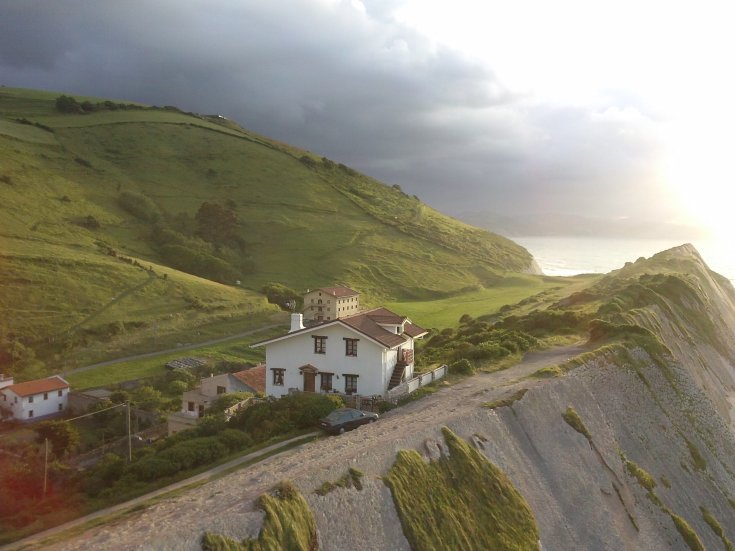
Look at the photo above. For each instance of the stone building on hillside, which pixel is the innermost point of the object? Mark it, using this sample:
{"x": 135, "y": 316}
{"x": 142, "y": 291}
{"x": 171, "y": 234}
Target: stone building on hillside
{"x": 330, "y": 303}
{"x": 195, "y": 403}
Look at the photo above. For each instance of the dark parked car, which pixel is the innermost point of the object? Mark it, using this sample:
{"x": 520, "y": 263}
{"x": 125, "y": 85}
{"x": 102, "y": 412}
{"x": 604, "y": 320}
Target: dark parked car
{"x": 344, "y": 419}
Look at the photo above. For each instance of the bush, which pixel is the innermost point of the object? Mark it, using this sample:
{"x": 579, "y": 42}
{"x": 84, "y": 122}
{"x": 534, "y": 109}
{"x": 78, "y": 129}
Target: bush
{"x": 139, "y": 206}
{"x": 90, "y": 222}
{"x": 276, "y": 417}
{"x": 280, "y": 294}
{"x": 234, "y": 439}
{"x": 199, "y": 263}
{"x": 176, "y": 387}
{"x": 463, "y": 367}
{"x": 67, "y": 104}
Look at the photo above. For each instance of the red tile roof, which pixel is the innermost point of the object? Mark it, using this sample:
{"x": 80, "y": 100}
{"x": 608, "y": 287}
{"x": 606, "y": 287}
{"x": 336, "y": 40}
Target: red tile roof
{"x": 30, "y": 388}
{"x": 368, "y": 324}
{"x": 339, "y": 291}
{"x": 414, "y": 330}
{"x": 253, "y": 377}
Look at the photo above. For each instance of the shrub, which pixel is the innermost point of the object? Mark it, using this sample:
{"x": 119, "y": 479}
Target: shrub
{"x": 308, "y": 161}
{"x": 139, "y": 206}
{"x": 275, "y": 417}
{"x": 176, "y": 387}
{"x": 463, "y": 367}
{"x": 90, "y": 222}
{"x": 234, "y": 439}
{"x": 280, "y": 294}
{"x": 67, "y": 104}
{"x": 199, "y": 263}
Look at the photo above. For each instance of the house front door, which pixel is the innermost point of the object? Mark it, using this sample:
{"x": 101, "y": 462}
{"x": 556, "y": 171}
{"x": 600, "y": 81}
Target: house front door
{"x": 309, "y": 382}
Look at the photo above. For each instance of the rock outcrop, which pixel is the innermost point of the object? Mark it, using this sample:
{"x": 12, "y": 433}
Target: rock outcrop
{"x": 657, "y": 449}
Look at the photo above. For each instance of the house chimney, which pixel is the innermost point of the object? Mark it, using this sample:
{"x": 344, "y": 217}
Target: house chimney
{"x": 297, "y": 322}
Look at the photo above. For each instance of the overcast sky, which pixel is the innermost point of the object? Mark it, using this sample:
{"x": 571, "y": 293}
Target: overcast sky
{"x": 604, "y": 108}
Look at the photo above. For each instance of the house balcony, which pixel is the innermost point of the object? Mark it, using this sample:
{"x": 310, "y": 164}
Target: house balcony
{"x": 405, "y": 359}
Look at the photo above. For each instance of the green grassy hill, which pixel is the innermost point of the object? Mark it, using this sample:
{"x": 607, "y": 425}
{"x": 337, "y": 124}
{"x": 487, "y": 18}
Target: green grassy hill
{"x": 100, "y": 241}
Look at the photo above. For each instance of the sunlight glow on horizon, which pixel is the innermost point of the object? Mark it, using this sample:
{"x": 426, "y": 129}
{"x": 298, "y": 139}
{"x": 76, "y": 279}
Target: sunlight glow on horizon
{"x": 667, "y": 62}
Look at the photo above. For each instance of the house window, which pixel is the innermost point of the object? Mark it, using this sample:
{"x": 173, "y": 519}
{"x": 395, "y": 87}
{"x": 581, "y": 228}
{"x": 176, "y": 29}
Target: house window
{"x": 61, "y": 393}
{"x": 278, "y": 376}
{"x": 221, "y": 390}
{"x": 30, "y": 399}
{"x": 61, "y": 407}
{"x": 190, "y": 406}
{"x": 326, "y": 381}
{"x": 320, "y": 345}
{"x": 350, "y": 384}
{"x": 351, "y": 347}
{"x": 45, "y": 395}
{"x": 30, "y": 414}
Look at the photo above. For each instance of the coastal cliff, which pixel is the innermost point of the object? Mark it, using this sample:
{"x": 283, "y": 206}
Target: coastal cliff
{"x": 626, "y": 446}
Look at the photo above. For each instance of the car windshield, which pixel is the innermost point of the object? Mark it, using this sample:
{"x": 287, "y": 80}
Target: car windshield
{"x": 339, "y": 416}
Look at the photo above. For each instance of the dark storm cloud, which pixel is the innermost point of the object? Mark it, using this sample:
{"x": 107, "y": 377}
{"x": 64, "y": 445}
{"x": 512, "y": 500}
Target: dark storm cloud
{"x": 349, "y": 83}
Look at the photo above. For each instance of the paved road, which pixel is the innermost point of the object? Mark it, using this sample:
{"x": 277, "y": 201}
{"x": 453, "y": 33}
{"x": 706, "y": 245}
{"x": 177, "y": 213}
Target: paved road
{"x": 176, "y": 349}
{"x": 37, "y": 539}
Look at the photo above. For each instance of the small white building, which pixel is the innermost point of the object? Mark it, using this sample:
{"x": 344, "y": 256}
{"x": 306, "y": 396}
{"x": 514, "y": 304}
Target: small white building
{"x": 364, "y": 354}
{"x": 35, "y": 399}
{"x": 330, "y": 303}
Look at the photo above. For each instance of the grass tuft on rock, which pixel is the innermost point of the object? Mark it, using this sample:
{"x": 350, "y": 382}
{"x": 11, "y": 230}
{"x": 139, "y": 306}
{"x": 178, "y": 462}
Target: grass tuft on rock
{"x": 687, "y": 532}
{"x": 459, "y": 502}
{"x": 641, "y": 475}
{"x": 573, "y": 419}
{"x": 288, "y": 526}
{"x": 507, "y": 401}
{"x": 700, "y": 463}
{"x": 712, "y": 522}
{"x": 351, "y": 479}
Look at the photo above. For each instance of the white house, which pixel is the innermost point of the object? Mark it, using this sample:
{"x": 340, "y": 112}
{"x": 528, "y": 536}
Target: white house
{"x": 34, "y": 399}
{"x": 366, "y": 354}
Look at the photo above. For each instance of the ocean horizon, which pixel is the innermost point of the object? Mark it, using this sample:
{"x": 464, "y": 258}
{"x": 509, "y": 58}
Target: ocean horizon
{"x": 568, "y": 256}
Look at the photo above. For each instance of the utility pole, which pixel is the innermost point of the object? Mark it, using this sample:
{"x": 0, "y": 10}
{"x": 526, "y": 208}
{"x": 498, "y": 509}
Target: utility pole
{"x": 45, "y": 468}
{"x": 130, "y": 438}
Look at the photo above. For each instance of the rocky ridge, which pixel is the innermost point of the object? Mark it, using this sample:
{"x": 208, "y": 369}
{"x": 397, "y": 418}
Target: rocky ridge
{"x": 667, "y": 416}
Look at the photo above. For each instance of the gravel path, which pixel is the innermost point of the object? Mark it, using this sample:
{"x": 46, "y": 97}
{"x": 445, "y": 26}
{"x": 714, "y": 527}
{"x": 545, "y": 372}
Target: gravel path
{"x": 225, "y": 505}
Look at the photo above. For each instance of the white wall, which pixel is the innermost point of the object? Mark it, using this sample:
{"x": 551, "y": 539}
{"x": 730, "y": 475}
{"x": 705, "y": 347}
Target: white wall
{"x": 298, "y": 350}
{"x": 21, "y": 406}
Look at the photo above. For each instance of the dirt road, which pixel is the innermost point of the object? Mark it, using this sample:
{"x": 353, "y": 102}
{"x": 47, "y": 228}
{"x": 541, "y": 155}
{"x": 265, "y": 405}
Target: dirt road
{"x": 176, "y": 349}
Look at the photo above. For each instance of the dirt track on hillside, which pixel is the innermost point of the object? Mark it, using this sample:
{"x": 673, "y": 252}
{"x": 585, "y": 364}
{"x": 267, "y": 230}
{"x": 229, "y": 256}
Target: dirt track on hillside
{"x": 226, "y": 505}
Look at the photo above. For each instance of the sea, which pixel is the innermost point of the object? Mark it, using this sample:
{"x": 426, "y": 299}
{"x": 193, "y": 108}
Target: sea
{"x": 567, "y": 256}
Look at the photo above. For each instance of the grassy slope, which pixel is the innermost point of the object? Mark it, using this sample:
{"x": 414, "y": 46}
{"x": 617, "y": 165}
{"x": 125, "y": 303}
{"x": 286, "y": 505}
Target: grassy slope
{"x": 329, "y": 224}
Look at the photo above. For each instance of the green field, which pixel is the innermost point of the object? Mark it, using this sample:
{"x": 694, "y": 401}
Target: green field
{"x": 85, "y": 276}
{"x": 109, "y": 375}
{"x": 446, "y": 312}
